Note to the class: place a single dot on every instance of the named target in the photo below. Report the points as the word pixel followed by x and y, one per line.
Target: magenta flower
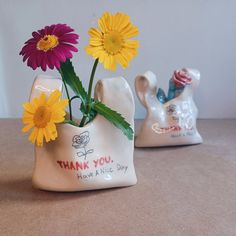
pixel 49 47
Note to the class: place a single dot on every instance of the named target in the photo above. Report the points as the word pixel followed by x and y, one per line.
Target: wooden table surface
pixel 181 191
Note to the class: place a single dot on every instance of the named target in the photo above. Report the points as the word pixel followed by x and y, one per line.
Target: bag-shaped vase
pixel 169 124
pixel 95 156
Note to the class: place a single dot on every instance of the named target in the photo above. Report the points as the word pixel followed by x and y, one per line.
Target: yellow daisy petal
pixel 107 63
pixel 94 33
pixel 60 105
pixel 27 117
pixel 122 60
pixel 91 50
pixel 103 22
pixel 53 130
pixel 35 102
pixel 95 42
pixel 54 97
pixel 122 20
pixel 27 114
pixel 29 107
pixel 42 99
pixel 46 134
pixel 27 127
pixel 101 55
pixel 132 44
pixel 33 135
pixel 112 62
pixel 39 140
pixel 128 54
pixel 58 116
pixel 130 31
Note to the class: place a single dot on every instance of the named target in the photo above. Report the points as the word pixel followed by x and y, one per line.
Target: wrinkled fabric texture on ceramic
pixel 169 124
pixel 95 156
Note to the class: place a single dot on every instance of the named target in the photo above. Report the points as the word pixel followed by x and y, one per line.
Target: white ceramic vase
pixel 169 124
pixel 96 156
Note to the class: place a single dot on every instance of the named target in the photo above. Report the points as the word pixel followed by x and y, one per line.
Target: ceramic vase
pixel 169 124
pixel 95 156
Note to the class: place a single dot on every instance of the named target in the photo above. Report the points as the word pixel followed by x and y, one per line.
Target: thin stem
pixel 74 98
pixel 91 80
pixel 82 122
pixel 67 94
pixel 88 105
pixel 84 117
pixel 68 97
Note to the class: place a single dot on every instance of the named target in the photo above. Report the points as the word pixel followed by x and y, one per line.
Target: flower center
pixel 113 42
pixel 42 116
pixel 47 42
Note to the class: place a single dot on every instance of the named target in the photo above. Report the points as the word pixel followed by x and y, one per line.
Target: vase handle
pixel 46 84
pixel 146 89
pixel 116 94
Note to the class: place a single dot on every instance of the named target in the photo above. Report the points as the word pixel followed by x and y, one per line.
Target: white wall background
pixel 192 33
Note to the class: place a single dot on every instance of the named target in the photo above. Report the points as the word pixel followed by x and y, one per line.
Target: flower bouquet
pixel 88 154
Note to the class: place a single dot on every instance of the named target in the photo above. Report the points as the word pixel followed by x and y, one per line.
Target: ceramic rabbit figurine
pixel 89 157
pixel 170 120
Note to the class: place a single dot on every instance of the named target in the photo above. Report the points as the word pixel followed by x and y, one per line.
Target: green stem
pixel 68 97
pixel 88 106
pixel 82 122
pixel 91 80
pixel 71 99
pixel 67 94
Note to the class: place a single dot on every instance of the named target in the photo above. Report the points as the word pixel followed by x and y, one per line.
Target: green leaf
pixel 92 114
pixel 71 122
pixel 69 76
pixel 115 118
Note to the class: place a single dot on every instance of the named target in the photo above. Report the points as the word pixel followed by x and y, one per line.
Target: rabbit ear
pixel 146 86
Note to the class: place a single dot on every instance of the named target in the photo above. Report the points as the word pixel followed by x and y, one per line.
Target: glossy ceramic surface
pixel 169 124
pixel 96 156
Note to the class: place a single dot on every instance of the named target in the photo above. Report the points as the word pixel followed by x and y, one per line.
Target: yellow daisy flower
pixel 111 43
pixel 42 114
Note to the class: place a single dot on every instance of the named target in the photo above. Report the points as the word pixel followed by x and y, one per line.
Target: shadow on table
pixel 22 190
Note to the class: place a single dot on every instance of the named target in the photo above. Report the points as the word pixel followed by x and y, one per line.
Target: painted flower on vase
pixel 50 46
pixel 111 42
pixel 41 115
pixel 181 78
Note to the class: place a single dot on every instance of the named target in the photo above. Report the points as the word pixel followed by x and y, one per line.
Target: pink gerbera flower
pixel 49 47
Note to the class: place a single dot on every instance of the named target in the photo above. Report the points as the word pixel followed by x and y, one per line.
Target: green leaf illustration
pixel 115 118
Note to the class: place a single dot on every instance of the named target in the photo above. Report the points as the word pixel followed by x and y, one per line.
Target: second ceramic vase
pixel 172 122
